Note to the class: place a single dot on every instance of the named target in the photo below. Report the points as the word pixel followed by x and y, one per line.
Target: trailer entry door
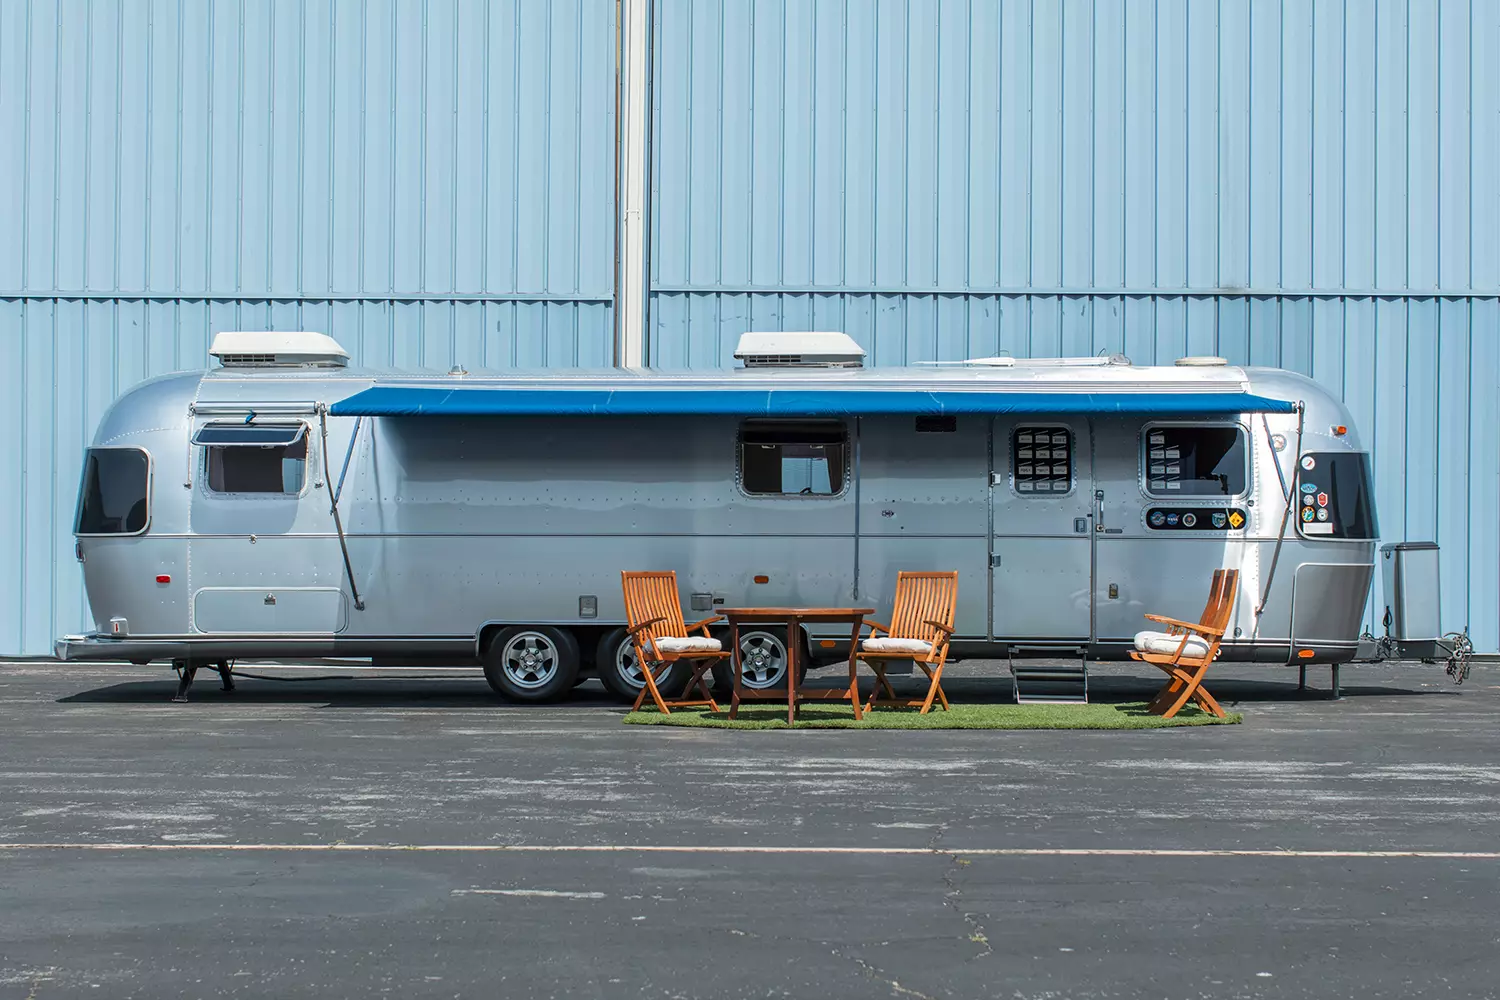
pixel 1042 534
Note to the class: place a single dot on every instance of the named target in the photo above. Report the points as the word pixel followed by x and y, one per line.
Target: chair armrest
pixel 939 626
pixel 643 625
pixel 704 624
pixel 1190 626
pixel 875 626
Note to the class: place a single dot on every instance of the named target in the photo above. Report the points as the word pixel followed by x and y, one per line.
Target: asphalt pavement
pixel 334 834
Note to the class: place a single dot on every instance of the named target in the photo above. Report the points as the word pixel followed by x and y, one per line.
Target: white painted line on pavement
pixel 542 893
pixel 1014 852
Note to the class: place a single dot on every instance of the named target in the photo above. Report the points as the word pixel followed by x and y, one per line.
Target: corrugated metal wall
pixel 1304 185
pixel 430 181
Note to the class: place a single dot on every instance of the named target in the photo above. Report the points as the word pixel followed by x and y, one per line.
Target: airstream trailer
pixel 283 505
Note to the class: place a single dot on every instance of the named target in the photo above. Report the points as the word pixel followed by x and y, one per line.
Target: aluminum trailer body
pixel 1071 496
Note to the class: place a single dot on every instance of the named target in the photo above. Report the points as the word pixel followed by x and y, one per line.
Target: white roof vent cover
pixel 278 348
pixel 784 349
pixel 1201 361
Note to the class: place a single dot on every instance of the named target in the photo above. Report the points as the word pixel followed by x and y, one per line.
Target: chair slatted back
pixel 1220 599
pixel 651 595
pixel 920 598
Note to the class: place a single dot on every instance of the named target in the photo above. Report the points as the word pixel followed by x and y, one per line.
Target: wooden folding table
pixel 794 618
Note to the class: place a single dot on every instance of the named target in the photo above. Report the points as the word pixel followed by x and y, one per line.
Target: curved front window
pixel 113 499
pixel 1334 495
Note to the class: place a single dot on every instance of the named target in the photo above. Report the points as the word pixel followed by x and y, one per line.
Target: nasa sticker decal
pixel 1309 463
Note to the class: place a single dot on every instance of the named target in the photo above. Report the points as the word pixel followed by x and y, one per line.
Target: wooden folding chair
pixel 654 612
pixel 1185 650
pixel 921 625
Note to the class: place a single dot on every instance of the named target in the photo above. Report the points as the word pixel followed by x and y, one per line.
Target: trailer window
pixel 254 458
pixel 782 458
pixel 1195 461
pixel 113 497
pixel 1334 496
pixel 1041 460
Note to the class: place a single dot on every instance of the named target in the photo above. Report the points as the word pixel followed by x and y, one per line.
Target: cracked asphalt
pixel 483 850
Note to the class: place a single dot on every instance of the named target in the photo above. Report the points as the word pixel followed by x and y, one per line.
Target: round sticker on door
pixel 1309 463
pixel 1189 520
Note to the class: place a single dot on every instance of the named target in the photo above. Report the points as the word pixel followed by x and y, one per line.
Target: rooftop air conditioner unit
pixel 277 349
pixel 799 350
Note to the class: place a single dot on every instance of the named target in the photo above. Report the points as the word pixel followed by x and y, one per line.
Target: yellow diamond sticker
pixel 1236 519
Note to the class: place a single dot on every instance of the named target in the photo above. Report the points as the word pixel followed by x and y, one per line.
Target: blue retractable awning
pixel 414 401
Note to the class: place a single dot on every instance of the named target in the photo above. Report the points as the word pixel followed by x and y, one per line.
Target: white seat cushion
pixel 1165 644
pixel 690 644
pixel 885 644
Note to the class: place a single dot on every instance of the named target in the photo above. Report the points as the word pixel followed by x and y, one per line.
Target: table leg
pixel 853 668
pixel 791 670
pixel 737 664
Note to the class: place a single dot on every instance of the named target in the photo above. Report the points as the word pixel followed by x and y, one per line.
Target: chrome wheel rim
pixel 530 660
pixel 763 660
pixel 628 665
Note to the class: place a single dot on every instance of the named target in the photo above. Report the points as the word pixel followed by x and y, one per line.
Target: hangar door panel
pixel 1041 496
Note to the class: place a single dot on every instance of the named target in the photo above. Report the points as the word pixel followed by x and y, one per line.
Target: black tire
pixel 761 672
pixel 531 663
pixel 615 663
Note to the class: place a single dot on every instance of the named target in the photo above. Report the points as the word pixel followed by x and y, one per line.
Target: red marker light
pixel 163 578
pixel 1340 430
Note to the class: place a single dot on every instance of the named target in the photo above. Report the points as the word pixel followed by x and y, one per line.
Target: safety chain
pixel 1461 657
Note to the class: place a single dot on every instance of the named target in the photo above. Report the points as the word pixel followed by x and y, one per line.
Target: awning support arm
pixel 338 522
pixel 1286 513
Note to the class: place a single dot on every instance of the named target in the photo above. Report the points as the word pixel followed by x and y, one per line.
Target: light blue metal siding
pixel 393 149
pixel 430 181
pixel 1293 184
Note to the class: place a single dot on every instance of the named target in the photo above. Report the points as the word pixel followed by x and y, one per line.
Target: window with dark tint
pixel 254 458
pixel 1334 497
pixel 785 458
pixel 112 499
pixel 1041 460
pixel 1195 461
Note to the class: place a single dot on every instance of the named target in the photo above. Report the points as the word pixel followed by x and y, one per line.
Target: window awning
pixel 420 401
pixel 223 435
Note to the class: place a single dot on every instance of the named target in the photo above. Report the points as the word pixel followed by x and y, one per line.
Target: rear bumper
pixel 457 650
pixel 101 647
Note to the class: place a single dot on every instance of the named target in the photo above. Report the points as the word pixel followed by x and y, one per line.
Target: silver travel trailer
pixel 283 506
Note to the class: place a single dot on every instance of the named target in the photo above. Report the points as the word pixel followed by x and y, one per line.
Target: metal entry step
pixel 1049 683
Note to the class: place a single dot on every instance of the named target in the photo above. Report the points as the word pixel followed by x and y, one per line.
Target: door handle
pixel 1099 511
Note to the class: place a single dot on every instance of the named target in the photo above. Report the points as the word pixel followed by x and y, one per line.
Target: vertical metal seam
pixel 364 131
pixel 177 145
pixel 874 174
pixel 578 207
pixel 333 133
pixel 968 164
pixel 484 184
pixel 515 161
pixel 270 122
pixel 423 42
pixel 453 200
pixel 150 120
pixel 781 198
pixel 547 140
pixel 390 256
pixel 239 164
pixel 906 157
pixel 687 162
pixel 56 142
pixel 26 193
pixel 302 153
pixel 719 181
pixel 119 131
pixel 88 141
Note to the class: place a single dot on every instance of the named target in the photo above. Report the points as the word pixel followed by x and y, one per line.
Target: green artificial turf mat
pixel 763 715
